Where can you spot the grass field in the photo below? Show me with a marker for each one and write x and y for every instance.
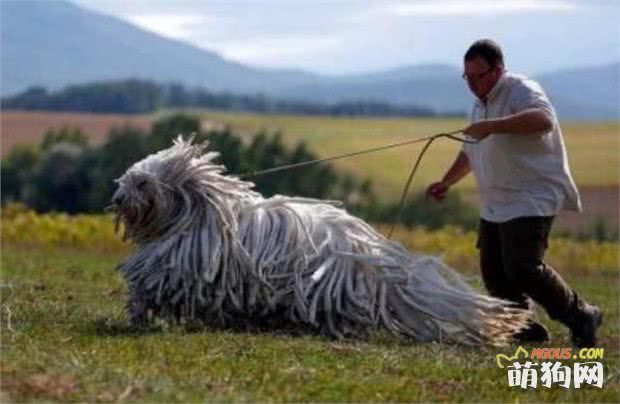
(64, 335)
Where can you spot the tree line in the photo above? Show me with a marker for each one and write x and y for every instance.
(66, 173)
(134, 96)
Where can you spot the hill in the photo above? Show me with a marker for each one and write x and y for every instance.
(79, 45)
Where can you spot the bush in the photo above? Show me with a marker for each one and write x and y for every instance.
(60, 179)
(17, 173)
(64, 135)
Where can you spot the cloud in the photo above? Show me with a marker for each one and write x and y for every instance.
(480, 7)
(178, 26)
(245, 43)
(276, 50)
(356, 36)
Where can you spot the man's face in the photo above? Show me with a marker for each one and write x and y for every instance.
(480, 78)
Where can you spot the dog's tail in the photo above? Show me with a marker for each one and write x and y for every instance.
(435, 304)
(422, 299)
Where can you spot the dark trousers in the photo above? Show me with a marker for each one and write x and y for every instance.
(512, 266)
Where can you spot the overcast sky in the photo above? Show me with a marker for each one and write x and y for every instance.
(340, 37)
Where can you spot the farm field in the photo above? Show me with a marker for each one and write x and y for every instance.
(25, 127)
(593, 148)
(65, 337)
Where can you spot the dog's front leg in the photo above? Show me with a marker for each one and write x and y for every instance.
(137, 307)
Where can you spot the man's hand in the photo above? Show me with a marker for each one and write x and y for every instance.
(479, 130)
(438, 190)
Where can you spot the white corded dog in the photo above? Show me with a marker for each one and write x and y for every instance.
(209, 248)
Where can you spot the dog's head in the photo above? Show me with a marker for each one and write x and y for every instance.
(155, 189)
(172, 188)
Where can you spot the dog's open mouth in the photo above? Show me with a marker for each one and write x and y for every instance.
(123, 214)
(131, 217)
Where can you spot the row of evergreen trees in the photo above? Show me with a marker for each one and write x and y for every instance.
(66, 173)
(141, 96)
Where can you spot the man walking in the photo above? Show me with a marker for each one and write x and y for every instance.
(522, 172)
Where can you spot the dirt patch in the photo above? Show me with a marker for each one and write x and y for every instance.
(443, 389)
(41, 386)
(29, 127)
(599, 203)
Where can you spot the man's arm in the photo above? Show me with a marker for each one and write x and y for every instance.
(528, 122)
(459, 169)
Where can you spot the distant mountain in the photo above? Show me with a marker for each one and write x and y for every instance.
(585, 93)
(579, 93)
(439, 87)
(56, 43)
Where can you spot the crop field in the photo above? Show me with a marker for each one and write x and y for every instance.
(65, 338)
(24, 127)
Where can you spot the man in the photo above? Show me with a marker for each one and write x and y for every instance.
(522, 172)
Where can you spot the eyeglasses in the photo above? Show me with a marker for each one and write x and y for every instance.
(476, 76)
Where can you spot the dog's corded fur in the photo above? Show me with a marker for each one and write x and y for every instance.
(210, 248)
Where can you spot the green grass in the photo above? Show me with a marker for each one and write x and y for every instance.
(592, 147)
(64, 338)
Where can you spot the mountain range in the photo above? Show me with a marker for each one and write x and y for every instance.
(56, 43)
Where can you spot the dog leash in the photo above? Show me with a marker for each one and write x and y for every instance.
(428, 139)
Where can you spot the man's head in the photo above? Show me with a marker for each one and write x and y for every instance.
(483, 66)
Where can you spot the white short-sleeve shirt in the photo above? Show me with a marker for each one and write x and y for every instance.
(520, 175)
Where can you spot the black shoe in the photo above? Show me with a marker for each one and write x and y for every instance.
(585, 325)
(535, 332)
